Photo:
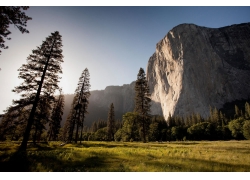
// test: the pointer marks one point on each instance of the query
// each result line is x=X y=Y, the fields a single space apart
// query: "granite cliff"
x=99 y=102
x=195 y=67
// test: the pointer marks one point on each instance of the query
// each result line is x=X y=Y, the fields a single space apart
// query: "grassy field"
x=195 y=156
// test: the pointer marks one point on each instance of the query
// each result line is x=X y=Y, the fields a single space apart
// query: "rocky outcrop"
x=196 y=67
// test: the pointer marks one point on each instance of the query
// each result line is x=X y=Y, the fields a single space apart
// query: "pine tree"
x=111 y=123
x=41 y=78
x=56 y=118
x=170 y=121
x=216 y=117
x=12 y=15
x=247 y=110
x=79 y=107
x=194 y=118
x=94 y=127
x=237 y=111
x=198 y=117
x=142 y=103
x=69 y=122
x=9 y=122
x=222 y=119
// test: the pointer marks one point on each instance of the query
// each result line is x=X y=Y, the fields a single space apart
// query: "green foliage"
x=130 y=128
x=221 y=133
x=237 y=112
x=12 y=15
x=247 y=110
x=111 y=123
x=101 y=134
x=157 y=129
x=154 y=132
x=94 y=127
x=142 y=104
x=200 y=131
x=246 y=129
x=118 y=135
x=177 y=133
x=236 y=127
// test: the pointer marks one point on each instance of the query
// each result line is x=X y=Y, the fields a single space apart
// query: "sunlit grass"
x=203 y=156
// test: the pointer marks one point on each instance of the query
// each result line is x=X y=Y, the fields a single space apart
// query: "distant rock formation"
x=196 y=67
x=99 y=102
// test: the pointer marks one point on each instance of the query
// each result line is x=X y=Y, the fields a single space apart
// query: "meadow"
x=94 y=156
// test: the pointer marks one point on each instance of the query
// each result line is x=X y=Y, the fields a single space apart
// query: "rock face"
x=100 y=100
x=196 y=67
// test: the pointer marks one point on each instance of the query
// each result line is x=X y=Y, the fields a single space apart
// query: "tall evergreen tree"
x=111 y=123
x=69 y=121
x=94 y=127
x=142 y=103
x=247 y=110
x=40 y=77
x=56 y=118
x=237 y=111
x=80 y=106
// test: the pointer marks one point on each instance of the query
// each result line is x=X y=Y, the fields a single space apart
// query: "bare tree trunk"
x=82 y=125
x=77 y=126
x=34 y=136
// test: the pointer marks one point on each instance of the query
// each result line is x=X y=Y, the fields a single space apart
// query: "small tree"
x=111 y=123
x=236 y=128
x=130 y=128
x=12 y=15
x=94 y=127
x=142 y=103
x=246 y=129
x=56 y=118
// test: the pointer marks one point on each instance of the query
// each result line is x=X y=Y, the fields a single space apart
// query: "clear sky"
x=112 y=42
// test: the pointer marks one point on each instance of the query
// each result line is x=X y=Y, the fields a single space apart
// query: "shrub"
x=246 y=129
x=236 y=128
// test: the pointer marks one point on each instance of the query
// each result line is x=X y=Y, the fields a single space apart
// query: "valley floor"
x=188 y=156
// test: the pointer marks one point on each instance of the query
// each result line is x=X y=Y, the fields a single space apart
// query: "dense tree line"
x=215 y=127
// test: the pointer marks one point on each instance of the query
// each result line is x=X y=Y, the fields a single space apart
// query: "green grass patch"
x=198 y=156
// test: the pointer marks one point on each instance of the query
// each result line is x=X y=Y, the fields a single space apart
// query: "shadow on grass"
x=45 y=161
x=18 y=162
x=41 y=146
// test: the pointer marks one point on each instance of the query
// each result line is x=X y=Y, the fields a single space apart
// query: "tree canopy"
x=12 y=15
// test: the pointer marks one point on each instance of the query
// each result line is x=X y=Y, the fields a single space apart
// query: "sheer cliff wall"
x=196 y=67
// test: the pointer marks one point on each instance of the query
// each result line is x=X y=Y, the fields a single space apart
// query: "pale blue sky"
x=112 y=42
